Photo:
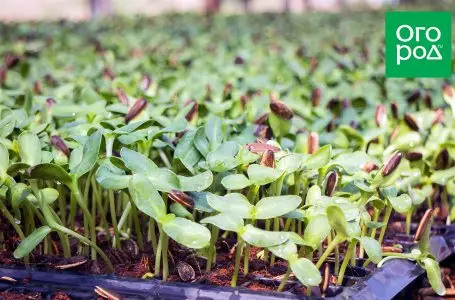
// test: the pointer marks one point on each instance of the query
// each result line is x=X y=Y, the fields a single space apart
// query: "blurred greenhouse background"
x=18 y=10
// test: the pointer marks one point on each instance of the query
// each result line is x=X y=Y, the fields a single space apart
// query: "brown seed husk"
x=331 y=185
x=107 y=294
x=146 y=82
x=313 y=142
x=7 y=278
x=50 y=102
x=268 y=159
x=369 y=166
x=414 y=156
x=380 y=115
x=316 y=97
x=182 y=198
x=122 y=96
x=109 y=73
x=391 y=249
x=71 y=265
x=427 y=100
x=193 y=111
x=260 y=148
x=59 y=143
x=414 y=96
x=50 y=80
x=392 y=164
x=37 y=87
x=186 y=271
x=411 y=122
x=426 y=219
x=263 y=132
x=262 y=119
x=326 y=279
x=281 y=109
x=394 y=108
x=439 y=116
x=137 y=108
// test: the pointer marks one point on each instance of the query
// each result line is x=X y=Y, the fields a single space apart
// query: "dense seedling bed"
x=260 y=151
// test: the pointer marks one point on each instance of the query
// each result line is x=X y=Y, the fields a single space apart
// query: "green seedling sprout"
x=422 y=255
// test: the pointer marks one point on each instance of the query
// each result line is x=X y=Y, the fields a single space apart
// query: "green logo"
x=418 y=44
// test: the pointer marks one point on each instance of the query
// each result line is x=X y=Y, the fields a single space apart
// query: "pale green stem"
x=285 y=279
x=347 y=256
x=385 y=220
x=328 y=250
x=238 y=256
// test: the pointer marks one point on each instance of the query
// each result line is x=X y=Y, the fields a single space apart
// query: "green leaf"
x=262 y=238
x=186 y=152
x=164 y=180
x=30 y=242
x=313 y=195
x=235 y=182
x=29 y=148
x=214 y=132
x=4 y=159
x=402 y=203
x=50 y=172
x=353 y=228
x=137 y=162
x=337 y=220
x=306 y=272
x=290 y=163
x=272 y=207
x=223 y=158
x=18 y=193
x=434 y=275
x=200 y=142
x=187 y=233
x=442 y=176
x=233 y=203
x=196 y=183
x=90 y=154
x=318 y=159
x=280 y=127
x=75 y=158
x=111 y=177
x=131 y=127
x=287 y=250
x=49 y=195
x=224 y=221
x=146 y=197
x=200 y=201
x=260 y=175
x=244 y=157
x=317 y=229
x=352 y=162
x=180 y=211
x=372 y=248
x=404 y=142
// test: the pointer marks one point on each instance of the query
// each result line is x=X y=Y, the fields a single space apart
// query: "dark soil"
x=27 y=296
x=130 y=262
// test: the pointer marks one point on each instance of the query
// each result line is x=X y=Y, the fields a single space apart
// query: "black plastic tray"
x=391 y=280
x=395 y=276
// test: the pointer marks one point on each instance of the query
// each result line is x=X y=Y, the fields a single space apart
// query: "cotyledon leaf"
x=146 y=196
x=234 y=203
x=31 y=241
x=271 y=207
x=225 y=221
x=262 y=238
x=187 y=233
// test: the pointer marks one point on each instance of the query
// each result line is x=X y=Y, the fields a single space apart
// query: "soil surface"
x=130 y=262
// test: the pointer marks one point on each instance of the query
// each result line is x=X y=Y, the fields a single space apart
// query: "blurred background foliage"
x=18 y=10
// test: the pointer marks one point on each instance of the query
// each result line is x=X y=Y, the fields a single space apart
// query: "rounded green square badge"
x=418 y=44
